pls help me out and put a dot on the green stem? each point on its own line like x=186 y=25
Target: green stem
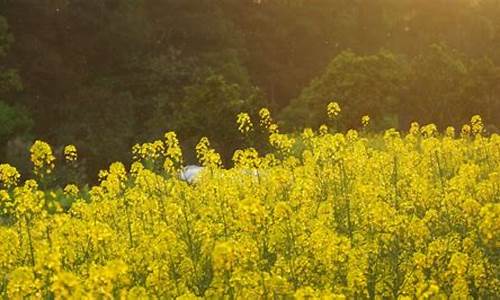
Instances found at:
x=395 y=182
x=30 y=240
x=129 y=227
x=346 y=198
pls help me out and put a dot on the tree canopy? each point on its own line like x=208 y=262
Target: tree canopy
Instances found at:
x=104 y=74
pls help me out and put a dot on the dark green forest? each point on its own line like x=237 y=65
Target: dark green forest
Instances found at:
x=106 y=74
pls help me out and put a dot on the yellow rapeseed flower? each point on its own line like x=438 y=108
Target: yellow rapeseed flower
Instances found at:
x=42 y=158
x=333 y=110
x=70 y=153
x=244 y=123
x=365 y=120
x=9 y=176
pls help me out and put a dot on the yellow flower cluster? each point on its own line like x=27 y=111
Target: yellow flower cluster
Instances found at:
x=148 y=151
x=429 y=130
x=466 y=130
x=323 y=129
x=244 y=122
x=282 y=142
x=9 y=176
x=160 y=155
x=71 y=190
x=70 y=153
x=173 y=153
x=333 y=110
x=450 y=132
x=247 y=158
x=42 y=158
x=266 y=121
x=477 y=125
x=265 y=117
x=206 y=155
x=327 y=216
x=365 y=120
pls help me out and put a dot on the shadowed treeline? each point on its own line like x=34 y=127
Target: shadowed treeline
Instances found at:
x=104 y=74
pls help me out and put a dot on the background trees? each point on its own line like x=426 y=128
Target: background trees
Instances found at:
x=14 y=119
x=362 y=85
x=107 y=73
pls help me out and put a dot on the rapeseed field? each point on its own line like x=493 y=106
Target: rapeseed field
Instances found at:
x=324 y=215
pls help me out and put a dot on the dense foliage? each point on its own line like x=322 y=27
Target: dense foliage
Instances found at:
x=327 y=213
x=105 y=73
x=324 y=215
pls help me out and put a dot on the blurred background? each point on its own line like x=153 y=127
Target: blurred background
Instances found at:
x=106 y=74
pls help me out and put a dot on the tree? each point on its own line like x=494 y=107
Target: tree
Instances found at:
x=10 y=83
x=362 y=85
x=436 y=87
x=482 y=92
x=117 y=65
x=149 y=52
x=209 y=108
x=101 y=124
x=286 y=43
x=14 y=120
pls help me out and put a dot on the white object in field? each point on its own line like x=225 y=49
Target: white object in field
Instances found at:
x=189 y=173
